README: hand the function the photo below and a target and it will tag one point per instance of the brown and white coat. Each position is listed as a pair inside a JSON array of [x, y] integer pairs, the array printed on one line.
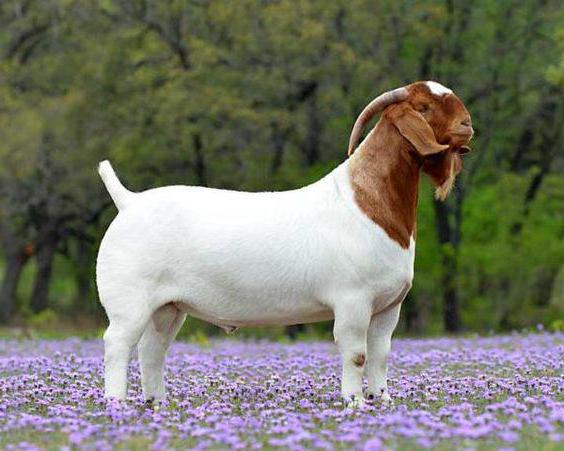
[[340, 248]]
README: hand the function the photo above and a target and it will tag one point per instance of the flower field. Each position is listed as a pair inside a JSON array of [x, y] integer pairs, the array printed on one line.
[[502, 392]]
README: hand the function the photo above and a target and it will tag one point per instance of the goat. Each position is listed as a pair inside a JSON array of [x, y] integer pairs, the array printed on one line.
[[341, 248]]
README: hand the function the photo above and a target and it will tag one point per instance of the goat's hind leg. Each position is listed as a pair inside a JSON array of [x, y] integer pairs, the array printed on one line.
[[161, 330], [120, 338]]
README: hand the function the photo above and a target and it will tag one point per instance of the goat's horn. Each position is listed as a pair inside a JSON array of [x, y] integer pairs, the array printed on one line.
[[377, 105]]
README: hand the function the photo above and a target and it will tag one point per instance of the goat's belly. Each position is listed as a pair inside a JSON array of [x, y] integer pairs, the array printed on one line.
[[243, 311], [269, 277]]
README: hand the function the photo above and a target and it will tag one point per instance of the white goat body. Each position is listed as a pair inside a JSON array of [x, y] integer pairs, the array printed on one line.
[[246, 259], [242, 259]]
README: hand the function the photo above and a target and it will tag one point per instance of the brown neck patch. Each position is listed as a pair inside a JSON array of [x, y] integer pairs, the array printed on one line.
[[384, 176]]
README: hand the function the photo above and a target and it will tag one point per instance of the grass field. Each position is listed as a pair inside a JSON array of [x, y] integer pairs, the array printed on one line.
[[449, 393]]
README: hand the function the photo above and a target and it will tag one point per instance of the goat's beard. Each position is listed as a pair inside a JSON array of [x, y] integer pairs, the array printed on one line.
[[443, 190], [443, 169]]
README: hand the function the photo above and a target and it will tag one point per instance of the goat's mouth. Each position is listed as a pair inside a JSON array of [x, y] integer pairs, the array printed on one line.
[[459, 143], [458, 147], [460, 138], [462, 150]]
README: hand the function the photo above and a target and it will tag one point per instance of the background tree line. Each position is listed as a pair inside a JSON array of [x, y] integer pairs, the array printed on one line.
[[261, 95]]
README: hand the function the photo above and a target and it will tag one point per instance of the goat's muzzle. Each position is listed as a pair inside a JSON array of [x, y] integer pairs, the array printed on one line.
[[460, 137]]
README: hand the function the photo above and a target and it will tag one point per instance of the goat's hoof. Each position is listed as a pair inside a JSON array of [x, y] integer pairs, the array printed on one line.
[[114, 400], [382, 398], [386, 400], [153, 404], [354, 402]]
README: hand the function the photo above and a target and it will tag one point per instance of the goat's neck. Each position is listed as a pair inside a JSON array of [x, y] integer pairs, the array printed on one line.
[[385, 179]]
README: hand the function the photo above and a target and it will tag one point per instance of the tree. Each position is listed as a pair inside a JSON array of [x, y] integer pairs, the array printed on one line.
[[259, 95]]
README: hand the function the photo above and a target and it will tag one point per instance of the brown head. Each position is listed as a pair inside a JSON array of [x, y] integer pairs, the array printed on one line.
[[432, 120]]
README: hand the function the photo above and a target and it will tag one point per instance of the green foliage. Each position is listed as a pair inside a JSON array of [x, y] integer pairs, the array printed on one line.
[[259, 95], [45, 320]]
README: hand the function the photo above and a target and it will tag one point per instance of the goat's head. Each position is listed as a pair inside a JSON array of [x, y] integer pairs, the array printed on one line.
[[435, 123]]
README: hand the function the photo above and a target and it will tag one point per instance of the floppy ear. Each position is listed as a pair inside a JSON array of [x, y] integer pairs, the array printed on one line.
[[415, 129]]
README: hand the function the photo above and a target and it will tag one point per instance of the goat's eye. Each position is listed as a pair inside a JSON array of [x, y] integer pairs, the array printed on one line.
[[424, 109]]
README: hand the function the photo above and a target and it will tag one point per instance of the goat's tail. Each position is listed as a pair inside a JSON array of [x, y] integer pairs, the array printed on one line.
[[119, 194]]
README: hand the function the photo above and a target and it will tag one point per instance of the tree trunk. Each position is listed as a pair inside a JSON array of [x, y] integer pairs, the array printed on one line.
[[412, 313], [448, 242], [451, 315], [312, 151], [278, 140], [44, 258], [550, 136], [530, 195], [199, 161], [293, 331], [83, 277], [15, 262], [83, 292]]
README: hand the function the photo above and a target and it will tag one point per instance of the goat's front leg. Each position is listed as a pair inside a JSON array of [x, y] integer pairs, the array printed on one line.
[[350, 332], [379, 342]]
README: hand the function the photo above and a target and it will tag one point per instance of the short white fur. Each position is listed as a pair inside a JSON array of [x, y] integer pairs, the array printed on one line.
[[438, 89], [248, 259]]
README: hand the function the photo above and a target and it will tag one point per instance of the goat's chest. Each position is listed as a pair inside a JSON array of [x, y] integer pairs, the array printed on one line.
[[390, 274], [378, 267]]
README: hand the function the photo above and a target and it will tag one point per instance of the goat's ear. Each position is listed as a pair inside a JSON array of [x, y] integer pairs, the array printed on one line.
[[415, 129]]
